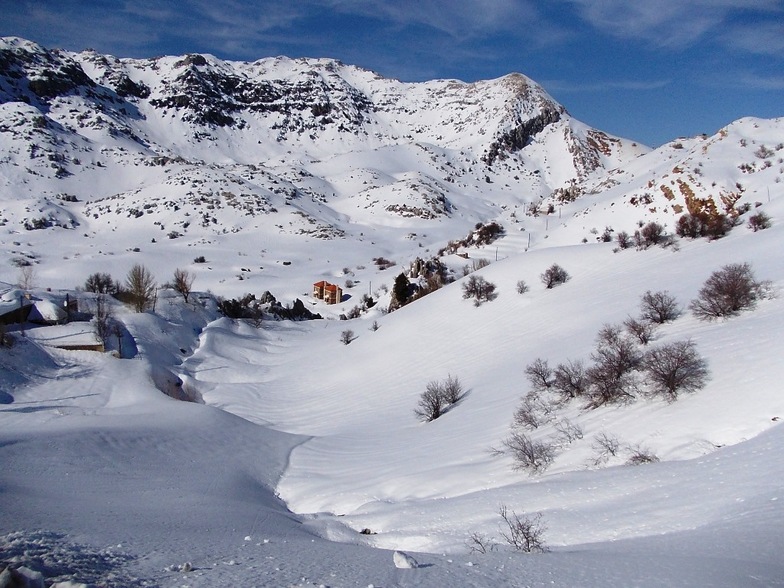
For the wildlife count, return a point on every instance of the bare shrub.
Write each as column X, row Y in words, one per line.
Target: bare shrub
column 624, row 240
column 651, row 234
column 659, row 307
column 554, row 276
column 431, row 403
column 611, row 376
column 480, row 543
column 183, row 282
column 347, row 336
column 375, row 326
column 605, row 446
column 727, row 292
column 531, row 456
column 522, row 287
column 479, row 289
column 641, row 330
column 141, row 287
column 382, row 263
column 674, row 368
column 570, row 379
column 533, row 412
column 759, row 221
column 524, row 533
column 641, row 455
column 568, row 431
column 539, row 374
column 451, row 390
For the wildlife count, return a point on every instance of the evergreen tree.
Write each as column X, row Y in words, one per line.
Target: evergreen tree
column 401, row 291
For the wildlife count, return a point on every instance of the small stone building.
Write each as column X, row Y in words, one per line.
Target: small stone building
column 329, row 293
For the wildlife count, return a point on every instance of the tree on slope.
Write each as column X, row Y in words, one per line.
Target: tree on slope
column 141, row 287
column 183, row 282
column 400, row 291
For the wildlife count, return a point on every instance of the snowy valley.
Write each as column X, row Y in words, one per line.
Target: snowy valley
column 199, row 449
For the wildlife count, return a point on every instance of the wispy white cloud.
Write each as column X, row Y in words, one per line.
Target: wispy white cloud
column 677, row 23
column 760, row 38
column 631, row 85
column 762, row 82
column 459, row 18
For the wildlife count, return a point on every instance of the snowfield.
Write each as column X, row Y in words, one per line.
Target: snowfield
column 202, row 451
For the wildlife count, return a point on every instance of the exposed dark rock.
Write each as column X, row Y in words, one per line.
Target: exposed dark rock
column 517, row 138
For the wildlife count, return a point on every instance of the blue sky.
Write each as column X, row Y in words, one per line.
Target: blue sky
column 649, row 70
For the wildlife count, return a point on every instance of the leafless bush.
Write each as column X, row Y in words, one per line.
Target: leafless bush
column 524, row 533
column 624, row 240
column 641, row 330
column 727, row 292
column 375, row 326
column 451, row 390
column 570, row 379
column 554, row 276
column 605, row 446
column 659, row 307
column 539, row 374
column 383, row 263
column 531, row 456
column 431, row 403
column 759, row 221
column 480, row 543
column 651, row 234
column 611, row 376
column 533, row 412
column 641, row 455
column 522, row 287
column 674, row 368
column 479, row 289
column 347, row 336
column 568, row 431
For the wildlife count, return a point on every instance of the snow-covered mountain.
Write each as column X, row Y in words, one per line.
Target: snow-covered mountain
column 301, row 461
column 199, row 147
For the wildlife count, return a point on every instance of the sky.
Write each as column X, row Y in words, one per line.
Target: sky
column 648, row 71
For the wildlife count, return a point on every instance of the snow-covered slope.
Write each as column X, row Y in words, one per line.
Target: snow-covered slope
column 300, row 460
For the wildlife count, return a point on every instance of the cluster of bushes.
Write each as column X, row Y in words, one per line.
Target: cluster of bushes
column 439, row 397
column 646, row 236
column 712, row 225
column 139, row 289
column 623, row 367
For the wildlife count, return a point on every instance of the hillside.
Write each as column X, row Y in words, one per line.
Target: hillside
column 300, row 460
